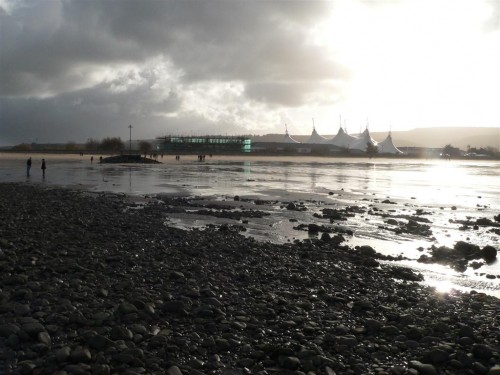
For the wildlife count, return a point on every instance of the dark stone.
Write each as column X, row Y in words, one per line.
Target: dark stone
column 367, row 250
column 482, row 351
column 8, row 329
column 290, row 363
column 121, row 333
column 466, row 249
column 372, row 325
column 325, row 237
column 436, row 356
column 100, row 342
column 362, row 305
column 173, row 306
column 126, row 308
column 33, row 329
column 313, row 228
column 489, row 253
column 423, row 368
column 174, row 370
column 79, row 355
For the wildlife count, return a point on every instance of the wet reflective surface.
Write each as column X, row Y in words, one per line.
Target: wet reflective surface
column 445, row 190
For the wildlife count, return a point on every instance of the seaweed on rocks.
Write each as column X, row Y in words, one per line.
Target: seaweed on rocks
column 414, row 227
column 235, row 215
column 460, row 255
column 480, row 222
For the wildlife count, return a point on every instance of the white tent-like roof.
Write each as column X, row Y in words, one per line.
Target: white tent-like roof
column 362, row 142
column 315, row 137
column 289, row 139
column 387, row 147
column 341, row 139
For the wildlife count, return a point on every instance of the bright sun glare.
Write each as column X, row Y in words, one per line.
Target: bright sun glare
column 412, row 62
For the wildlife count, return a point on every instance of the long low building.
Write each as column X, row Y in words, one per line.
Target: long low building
column 208, row 144
column 341, row 143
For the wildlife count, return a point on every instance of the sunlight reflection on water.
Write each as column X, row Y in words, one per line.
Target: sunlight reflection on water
column 436, row 186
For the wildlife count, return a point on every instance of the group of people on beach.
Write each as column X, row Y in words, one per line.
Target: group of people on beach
column 202, row 157
column 29, row 163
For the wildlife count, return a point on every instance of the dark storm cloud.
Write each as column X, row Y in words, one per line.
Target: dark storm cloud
column 208, row 40
column 57, row 53
column 84, row 114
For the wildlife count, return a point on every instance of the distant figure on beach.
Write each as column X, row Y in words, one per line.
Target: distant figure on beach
column 28, row 166
column 44, row 167
column 91, row 160
column 100, row 159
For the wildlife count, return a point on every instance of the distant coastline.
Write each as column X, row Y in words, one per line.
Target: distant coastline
column 424, row 141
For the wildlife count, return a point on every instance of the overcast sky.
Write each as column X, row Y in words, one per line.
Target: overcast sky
column 75, row 69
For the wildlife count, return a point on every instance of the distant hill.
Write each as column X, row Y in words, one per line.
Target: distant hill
column 421, row 137
column 440, row 137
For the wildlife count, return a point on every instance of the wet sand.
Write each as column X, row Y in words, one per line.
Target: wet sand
column 447, row 194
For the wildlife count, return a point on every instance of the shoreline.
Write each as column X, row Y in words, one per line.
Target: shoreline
column 254, row 155
column 97, row 283
column 384, row 207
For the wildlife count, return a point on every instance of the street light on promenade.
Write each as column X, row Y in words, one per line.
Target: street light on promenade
column 130, row 142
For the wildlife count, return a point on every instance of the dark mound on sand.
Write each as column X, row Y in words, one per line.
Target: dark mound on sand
column 136, row 159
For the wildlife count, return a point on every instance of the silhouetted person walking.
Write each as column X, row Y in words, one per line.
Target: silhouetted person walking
column 44, row 167
column 28, row 166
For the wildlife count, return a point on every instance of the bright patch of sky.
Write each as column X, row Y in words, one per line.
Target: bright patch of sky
column 72, row 69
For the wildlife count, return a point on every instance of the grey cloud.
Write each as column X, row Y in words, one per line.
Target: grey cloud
column 287, row 94
column 208, row 40
column 293, row 94
column 78, row 115
column 51, row 50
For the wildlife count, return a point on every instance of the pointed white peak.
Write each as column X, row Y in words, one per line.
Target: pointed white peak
column 363, row 140
column 315, row 137
column 288, row 138
column 387, row 146
column 342, row 139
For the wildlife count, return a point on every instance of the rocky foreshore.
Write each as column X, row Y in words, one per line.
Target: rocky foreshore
column 98, row 284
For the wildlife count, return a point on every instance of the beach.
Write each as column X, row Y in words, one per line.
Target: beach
column 378, row 201
column 97, row 283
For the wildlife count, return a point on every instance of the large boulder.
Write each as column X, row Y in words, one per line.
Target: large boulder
column 488, row 253
column 466, row 249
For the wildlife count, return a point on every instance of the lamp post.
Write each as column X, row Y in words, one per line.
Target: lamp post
column 130, row 142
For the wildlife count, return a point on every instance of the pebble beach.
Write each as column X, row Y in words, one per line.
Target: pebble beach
column 97, row 283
